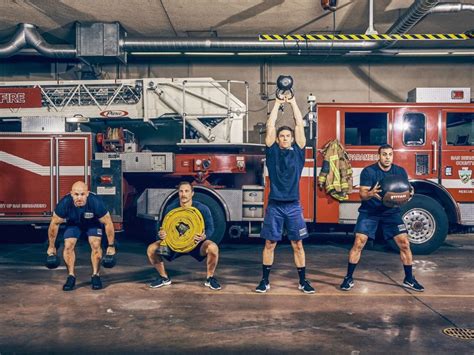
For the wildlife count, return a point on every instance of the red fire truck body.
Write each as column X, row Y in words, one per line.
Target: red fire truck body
column 36, row 170
column 434, row 142
column 444, row 162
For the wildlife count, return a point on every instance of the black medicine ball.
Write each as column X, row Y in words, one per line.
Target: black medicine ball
column 395, row 190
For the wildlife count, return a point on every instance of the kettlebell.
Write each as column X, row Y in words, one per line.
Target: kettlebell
column 284, row 84
column 52, row 261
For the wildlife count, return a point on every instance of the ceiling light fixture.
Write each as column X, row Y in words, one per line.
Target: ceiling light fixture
column 155, row 53
column 209, row 53
column 427, row 53
column 463, row 53
column 261, row 53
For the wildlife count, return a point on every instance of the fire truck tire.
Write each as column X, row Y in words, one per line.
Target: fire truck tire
column 217, row 212
column 427, row 224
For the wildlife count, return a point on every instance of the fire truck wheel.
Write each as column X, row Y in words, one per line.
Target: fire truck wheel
column 426, row 222
column 218, row 216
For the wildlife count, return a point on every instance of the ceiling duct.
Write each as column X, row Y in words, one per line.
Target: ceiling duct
column 27, row 36
column 451, row 7
column 409, row 19
column 413, row 15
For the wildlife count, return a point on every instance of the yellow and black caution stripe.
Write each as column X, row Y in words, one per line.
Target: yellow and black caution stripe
column 181, row 225
column 373, row 37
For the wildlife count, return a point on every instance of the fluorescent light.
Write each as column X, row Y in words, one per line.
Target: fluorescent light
column 463, row 53
column 358, row 53
column 209, row 53
column 262, row 53
column 155, row 53
column 427, row 53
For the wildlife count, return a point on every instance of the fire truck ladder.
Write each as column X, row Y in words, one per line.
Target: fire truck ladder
column 208, row 107
column 213, row 112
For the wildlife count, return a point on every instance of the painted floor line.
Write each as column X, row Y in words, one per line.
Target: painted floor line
column 340, row 294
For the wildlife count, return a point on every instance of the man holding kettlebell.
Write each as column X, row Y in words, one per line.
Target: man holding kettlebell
column 84, row 213
column 285, row 158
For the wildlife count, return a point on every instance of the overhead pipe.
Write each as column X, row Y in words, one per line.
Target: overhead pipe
column 371, row 30
column 27, row 35
column 413, row 15
column 418, row 11
column 236, row 45
column 451, row 7
column 409, row 19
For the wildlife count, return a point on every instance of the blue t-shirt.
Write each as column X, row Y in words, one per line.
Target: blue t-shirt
column 85, row 216
column 369, row 177
column 284, row 170
column 206, row 215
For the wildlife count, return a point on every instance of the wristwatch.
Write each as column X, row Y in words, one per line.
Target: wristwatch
column 111, row 245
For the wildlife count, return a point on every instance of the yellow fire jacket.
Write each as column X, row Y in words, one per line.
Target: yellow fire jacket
column 336, row 173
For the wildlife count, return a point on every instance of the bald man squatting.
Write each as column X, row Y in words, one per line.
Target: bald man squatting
column 84, row 213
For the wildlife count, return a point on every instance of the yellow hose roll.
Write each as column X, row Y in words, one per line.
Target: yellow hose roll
column 181, row 225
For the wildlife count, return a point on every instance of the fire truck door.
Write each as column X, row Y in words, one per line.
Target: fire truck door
column 457, row 158
column 416, row 142
column 72, row 162
column 26, row 176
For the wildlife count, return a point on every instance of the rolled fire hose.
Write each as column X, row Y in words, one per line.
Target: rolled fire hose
column 181, row 225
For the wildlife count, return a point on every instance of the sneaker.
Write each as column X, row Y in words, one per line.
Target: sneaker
column 160, row 282
column 413, row 285
column 96, row 282
column 347, row 284
column 263, row 286
column 212, row 283
column 306, row 287
column 70, row 283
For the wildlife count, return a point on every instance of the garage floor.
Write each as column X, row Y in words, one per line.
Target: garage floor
column 127, row 316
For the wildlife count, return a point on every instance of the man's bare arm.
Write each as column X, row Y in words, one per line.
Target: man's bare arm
column 53, row 233
column 300, row 137
column 270, row 137
column 366, row 193
column 109, row 232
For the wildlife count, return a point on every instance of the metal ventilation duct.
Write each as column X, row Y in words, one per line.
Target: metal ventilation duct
column 451, row 7
column 412, row 16
column 27, row 36
column 415, row 13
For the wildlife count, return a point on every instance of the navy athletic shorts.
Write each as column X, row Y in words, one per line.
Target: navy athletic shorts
column 195, row 253
column 392, row 225
column 76, row 232
column 282, row 214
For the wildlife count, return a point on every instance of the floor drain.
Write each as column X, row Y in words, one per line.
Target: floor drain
column 461, row 333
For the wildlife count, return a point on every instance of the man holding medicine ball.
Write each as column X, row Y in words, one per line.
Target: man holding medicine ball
column 375, row 210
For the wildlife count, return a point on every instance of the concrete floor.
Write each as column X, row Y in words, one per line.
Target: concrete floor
column 376, row 316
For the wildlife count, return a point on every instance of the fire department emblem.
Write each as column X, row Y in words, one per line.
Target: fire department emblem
column 465, row 175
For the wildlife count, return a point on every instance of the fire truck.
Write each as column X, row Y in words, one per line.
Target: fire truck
column 134, row 140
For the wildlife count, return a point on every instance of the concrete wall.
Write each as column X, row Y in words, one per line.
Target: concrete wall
column 330, row 79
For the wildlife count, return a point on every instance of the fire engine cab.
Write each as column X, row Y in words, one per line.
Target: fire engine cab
column 133, row 140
